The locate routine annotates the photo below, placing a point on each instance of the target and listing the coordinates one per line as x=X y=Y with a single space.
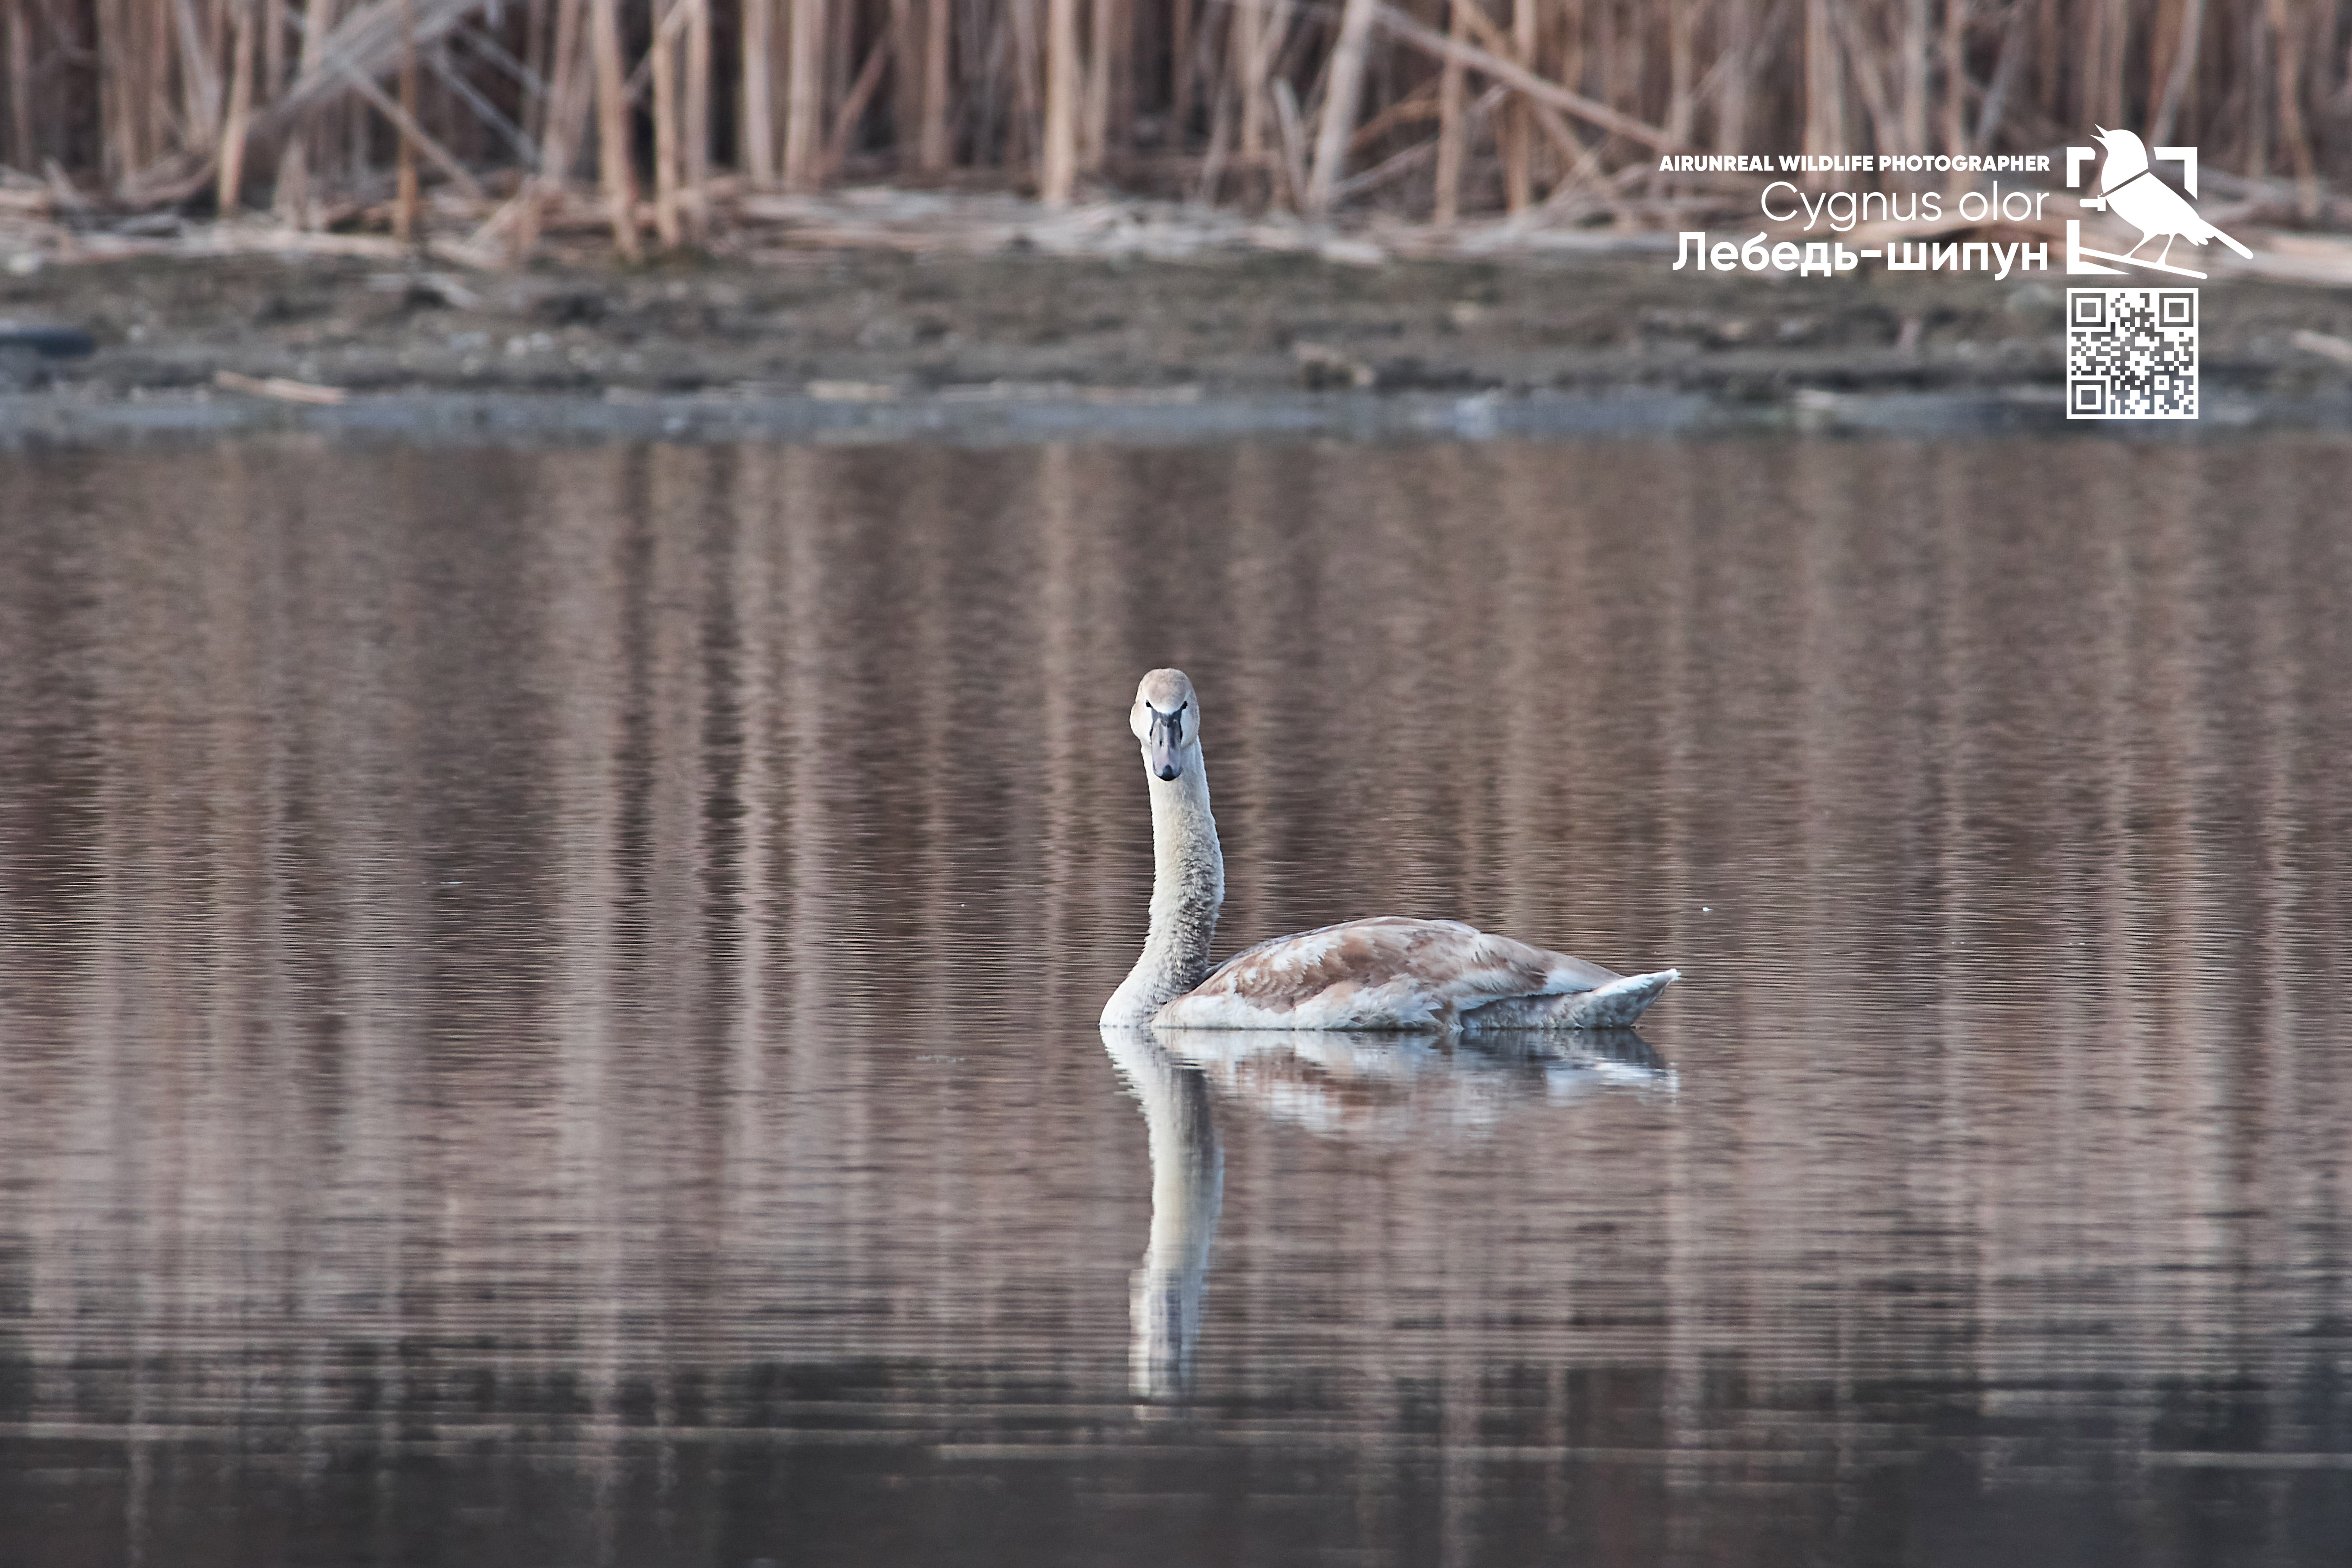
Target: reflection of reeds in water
x=1368 y=1088
x=1420 y=105
x=508 y=963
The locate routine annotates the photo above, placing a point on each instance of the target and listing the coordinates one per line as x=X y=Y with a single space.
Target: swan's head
x=1167 y=719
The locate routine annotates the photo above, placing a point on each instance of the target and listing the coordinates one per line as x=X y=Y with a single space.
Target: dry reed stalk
x=156 y=66
x=2290 y=105
x=229 y=192
x=1126 y=97
x=2050 y=51
x=1419 y=104
x=2117 y=60
x=1291 y=167
x=1339 y=103
x=1738 y=44
x=1021 y=54
x=188 y=92
x=2253 y=66
x=1508 y=72
x=2162 y=40
x=661 y=59
x=1914 y=61
x=1956 y=73
x=697 y=194
x=933 y=150
x=1388 y=171
x=2005 y=71
x=1570 y=60
x=404 y=211
x=291 y=199
x=756 y=155
x=906 y=58
x=273 y=47
x=1608 y=57
x=804 y=96
x=200 y=84
x=114 y=91
x=840 y=55
x=569 y=96
x=1249 y=52
x=119 y=92
x=1058 y=160
x=23 y=149
x=1681 y=48
x=1095 y=79
x=515 y=227
x=1447 y=209
x=1861 y=60
x=2189 y=36
x=1179 y=73
x=1824 y=84
x=1221 y=139
x=162 y=66
x=1518 y=140
x=2102 y=57
x=853 y=104
x=619 y=185
x=538 y=64
x=1543 y=115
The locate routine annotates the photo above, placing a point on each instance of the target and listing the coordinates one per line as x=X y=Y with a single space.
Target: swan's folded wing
x=1383 y=973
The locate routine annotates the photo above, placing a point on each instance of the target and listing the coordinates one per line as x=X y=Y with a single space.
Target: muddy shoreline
x=878 y=345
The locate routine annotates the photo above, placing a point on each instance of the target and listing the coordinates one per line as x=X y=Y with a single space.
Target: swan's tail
x=1616 y=1005
x=1612 y=1005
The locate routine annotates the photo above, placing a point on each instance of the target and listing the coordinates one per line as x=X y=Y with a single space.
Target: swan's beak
x=1164 y=752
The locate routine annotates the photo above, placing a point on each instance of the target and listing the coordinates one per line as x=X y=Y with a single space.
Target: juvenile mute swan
x=1387 y=972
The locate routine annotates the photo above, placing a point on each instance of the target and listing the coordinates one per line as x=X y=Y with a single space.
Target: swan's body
x=1382 y=973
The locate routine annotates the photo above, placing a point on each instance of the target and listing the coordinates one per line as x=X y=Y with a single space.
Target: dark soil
x=852 y=325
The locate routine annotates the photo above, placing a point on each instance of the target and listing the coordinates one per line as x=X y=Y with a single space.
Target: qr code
x=2131 y=353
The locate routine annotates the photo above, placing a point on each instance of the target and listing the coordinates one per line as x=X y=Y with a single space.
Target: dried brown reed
x=1425 y=109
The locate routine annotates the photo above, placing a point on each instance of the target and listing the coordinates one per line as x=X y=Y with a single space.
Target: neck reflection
x=1188 y=1189
x=1365 y=1087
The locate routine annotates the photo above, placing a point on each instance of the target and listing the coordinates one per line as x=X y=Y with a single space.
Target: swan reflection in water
x=1360 y=1087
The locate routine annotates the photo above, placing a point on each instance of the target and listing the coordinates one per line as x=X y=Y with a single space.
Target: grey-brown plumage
x=1387 y=972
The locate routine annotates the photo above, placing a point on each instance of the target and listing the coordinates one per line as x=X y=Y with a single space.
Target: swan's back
x=1387 y=973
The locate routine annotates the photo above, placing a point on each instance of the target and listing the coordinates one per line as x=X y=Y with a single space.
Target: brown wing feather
x=1412 y=972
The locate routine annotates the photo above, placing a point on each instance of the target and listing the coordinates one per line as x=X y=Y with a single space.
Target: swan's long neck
x=1188 y=884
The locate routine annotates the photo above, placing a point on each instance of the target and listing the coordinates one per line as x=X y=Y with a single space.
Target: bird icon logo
x=2129 y=188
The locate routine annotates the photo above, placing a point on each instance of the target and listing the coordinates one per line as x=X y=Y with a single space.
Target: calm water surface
x=547 y=997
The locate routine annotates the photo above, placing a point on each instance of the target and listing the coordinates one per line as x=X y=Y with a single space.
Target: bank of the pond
x=896 y=344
